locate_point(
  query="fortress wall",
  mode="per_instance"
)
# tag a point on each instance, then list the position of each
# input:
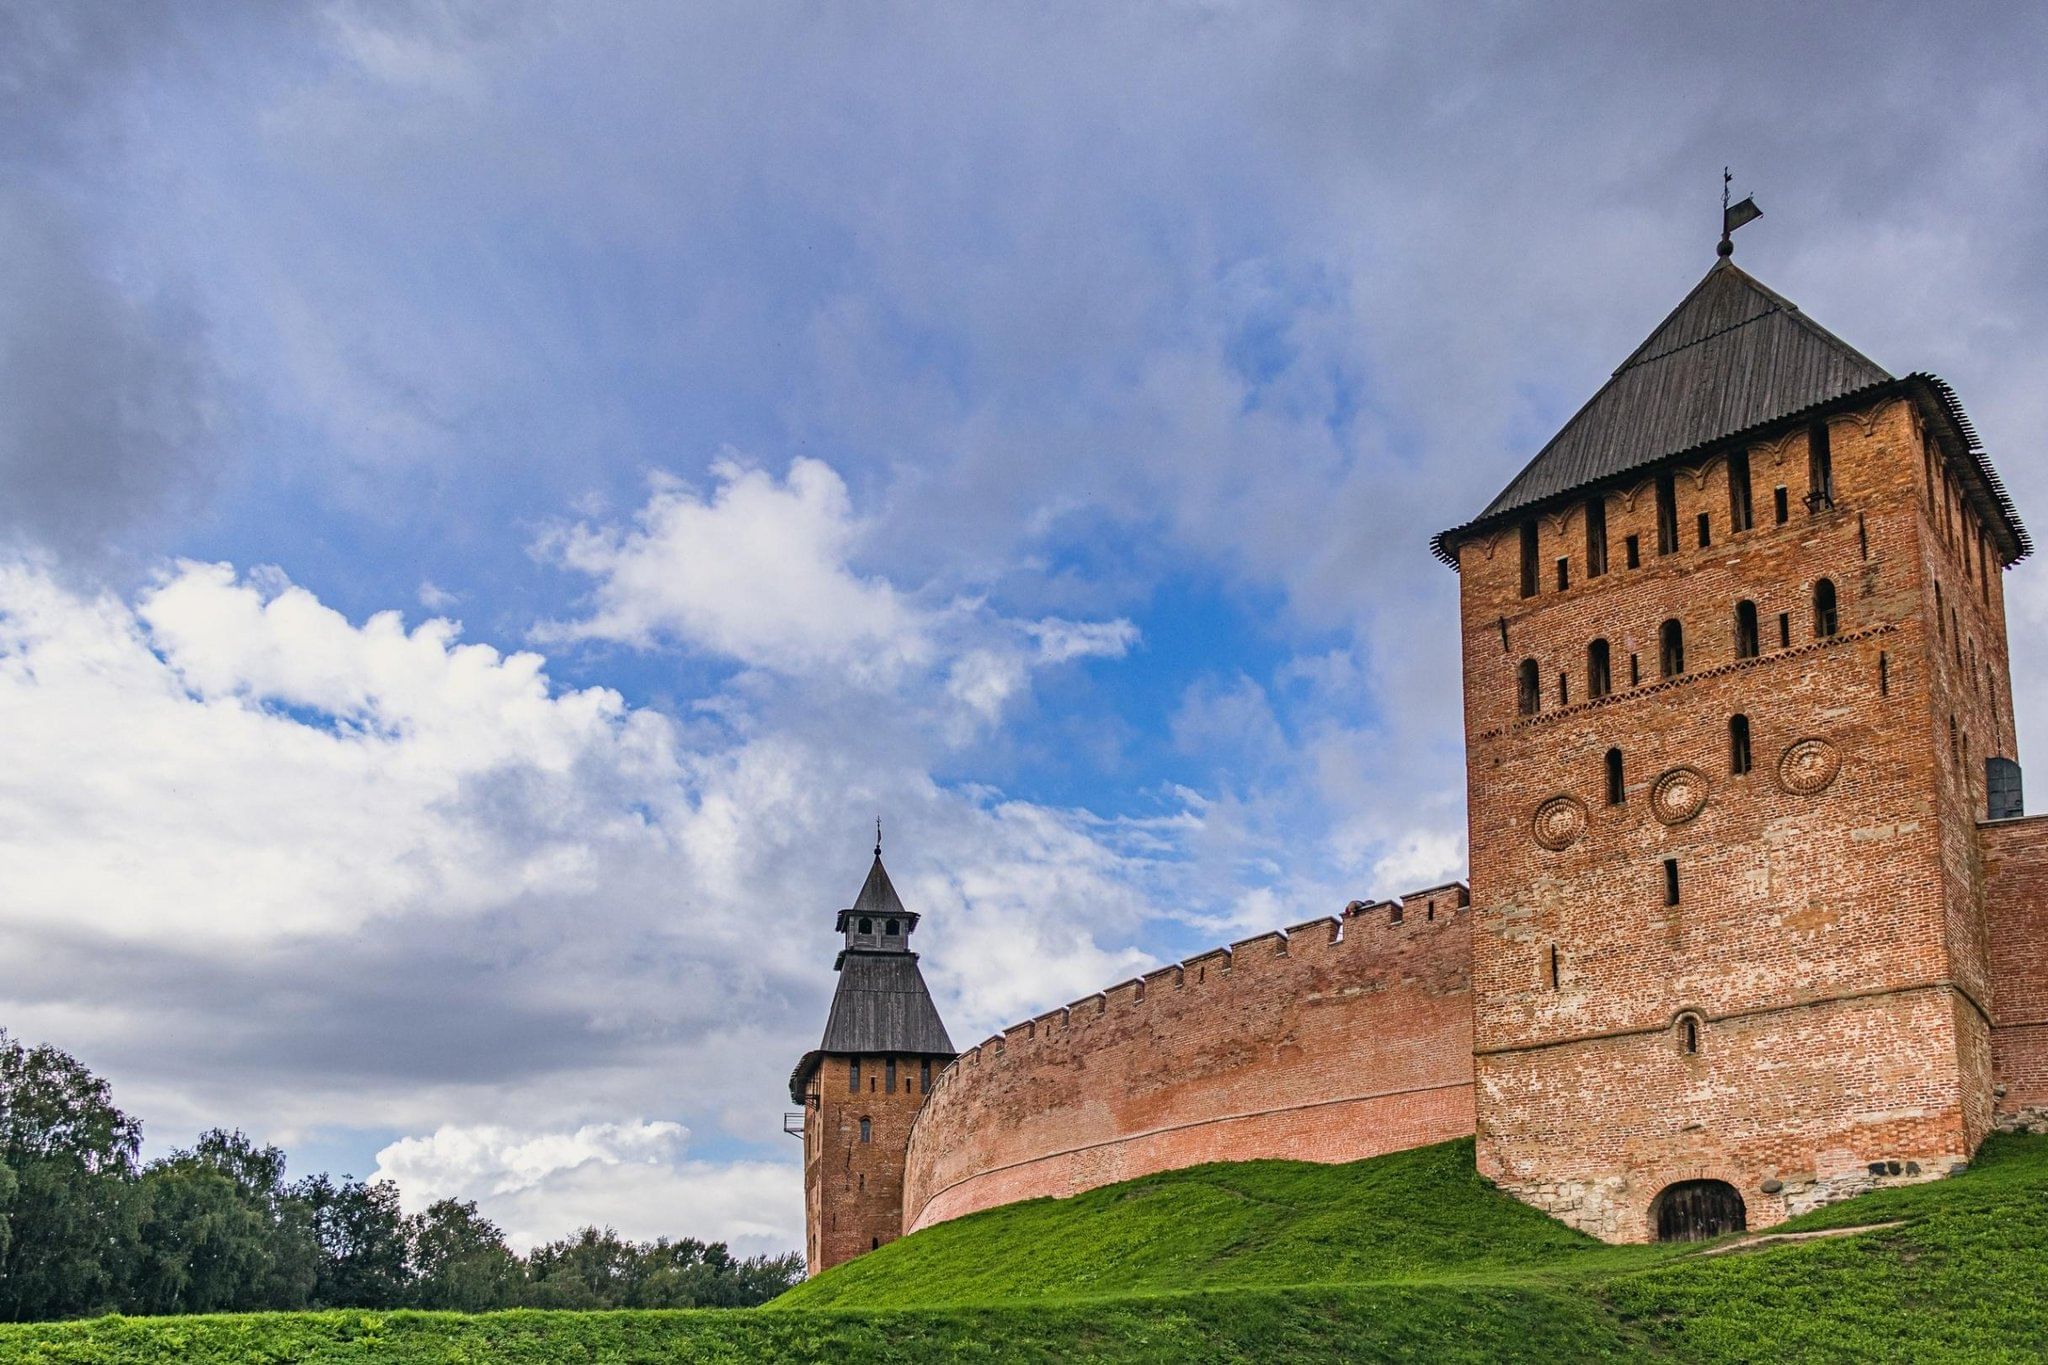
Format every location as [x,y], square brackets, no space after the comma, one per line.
[2016,909]
[1336,1040]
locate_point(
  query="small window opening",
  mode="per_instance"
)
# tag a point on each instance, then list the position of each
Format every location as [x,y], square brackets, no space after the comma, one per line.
[1528,693]
[1783,506]
[1394,909]
[1940,615]
[1599,671]
[924,1076]
[1617,788]
[874,1244]
[1689,1034]
[853,1074]
[1706,534]
[889,927]
[889,1072]
[1927,463]
[1667,515]
[1635,670]
[1862,535]
[1784,630]
[867,1131]
[1741,516]
[1884,674]
[1746,644]
[1820,469]
[1671,881]
[1564,574]
[866,926]
[1429,912]
[1596,537]
[1671,648]
[1634,546]
[1824,618]
[1564,689]
[1528,559]
[1554,974]
[1738,745]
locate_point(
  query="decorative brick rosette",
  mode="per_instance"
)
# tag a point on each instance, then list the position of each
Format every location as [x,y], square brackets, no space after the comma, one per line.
[1560,822]
[1808,766]
[1679,795]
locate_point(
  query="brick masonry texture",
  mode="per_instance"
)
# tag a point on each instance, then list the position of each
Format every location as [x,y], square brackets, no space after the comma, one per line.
[1828,950]
[1850,990]
[1334,1041]
[2016,897]
[853,1188]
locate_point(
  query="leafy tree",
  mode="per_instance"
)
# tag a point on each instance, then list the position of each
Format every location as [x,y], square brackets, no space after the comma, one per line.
[216,1231]
[6,1208]
[592,1269]
[459,1259]
[360,1235]
[72,1154]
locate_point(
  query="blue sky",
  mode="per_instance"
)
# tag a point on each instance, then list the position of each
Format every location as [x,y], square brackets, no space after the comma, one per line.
[500,496]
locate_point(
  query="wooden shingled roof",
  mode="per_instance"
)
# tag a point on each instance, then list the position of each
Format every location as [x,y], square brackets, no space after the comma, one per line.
[881,1005]
[1735,357]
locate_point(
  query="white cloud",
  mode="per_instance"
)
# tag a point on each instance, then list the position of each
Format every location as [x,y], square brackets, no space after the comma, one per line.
[762,572]
[757,571]
[630,1176]
[270,867]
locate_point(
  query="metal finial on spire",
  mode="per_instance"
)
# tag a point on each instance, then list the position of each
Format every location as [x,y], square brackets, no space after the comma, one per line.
[878,836]
[1734,216]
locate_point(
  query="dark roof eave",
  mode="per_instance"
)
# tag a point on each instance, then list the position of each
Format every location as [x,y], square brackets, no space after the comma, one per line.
[808,1066]
[1933,391]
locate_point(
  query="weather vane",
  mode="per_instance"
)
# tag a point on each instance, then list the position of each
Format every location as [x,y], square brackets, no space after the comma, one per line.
[878,836]
[1734,216]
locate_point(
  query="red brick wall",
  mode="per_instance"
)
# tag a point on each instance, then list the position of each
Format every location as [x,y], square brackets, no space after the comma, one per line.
[2016,904]
[853,1190]
[1327,1043]
[1828,940]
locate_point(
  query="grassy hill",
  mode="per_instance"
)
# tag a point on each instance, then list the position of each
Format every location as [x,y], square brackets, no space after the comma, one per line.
[1408,1257]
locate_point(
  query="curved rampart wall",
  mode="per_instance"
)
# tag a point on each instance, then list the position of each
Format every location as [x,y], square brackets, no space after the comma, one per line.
[1335,1040]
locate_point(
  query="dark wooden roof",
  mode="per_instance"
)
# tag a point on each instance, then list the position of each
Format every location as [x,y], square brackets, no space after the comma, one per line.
[1734,358]
[881,1005]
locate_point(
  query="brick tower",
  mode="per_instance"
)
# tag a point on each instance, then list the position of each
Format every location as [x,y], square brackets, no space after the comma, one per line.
[862,1086]
[1735,662]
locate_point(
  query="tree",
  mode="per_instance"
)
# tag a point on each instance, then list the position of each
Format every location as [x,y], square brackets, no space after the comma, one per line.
[360,1236]
[459,1259]
[215,1232]
[72,1154]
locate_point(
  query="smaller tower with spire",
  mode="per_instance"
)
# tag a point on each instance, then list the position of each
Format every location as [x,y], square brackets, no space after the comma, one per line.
[865,1082]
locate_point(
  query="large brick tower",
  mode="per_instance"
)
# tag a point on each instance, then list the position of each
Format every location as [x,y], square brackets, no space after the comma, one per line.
[862,1086]
[1735,661]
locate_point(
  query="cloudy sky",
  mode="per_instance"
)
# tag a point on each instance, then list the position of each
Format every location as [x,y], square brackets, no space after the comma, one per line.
[495,499]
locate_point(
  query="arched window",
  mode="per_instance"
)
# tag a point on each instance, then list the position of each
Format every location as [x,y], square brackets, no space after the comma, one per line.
[866,926]
[1746,641]
[889,927]
[1617,790]
[1528,690]
[1689,1034]
[1738,745]
[1824,617]
[1671,648]
[1599,670]
[867,1131]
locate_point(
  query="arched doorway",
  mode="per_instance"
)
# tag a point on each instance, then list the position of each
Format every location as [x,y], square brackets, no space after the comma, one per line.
[1694,1210]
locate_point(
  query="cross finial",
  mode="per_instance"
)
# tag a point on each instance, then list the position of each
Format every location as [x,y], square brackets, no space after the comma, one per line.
[1727,246]
[878,836]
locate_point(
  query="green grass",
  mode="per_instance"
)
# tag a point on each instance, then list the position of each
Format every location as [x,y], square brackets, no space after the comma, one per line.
[1409,1257]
